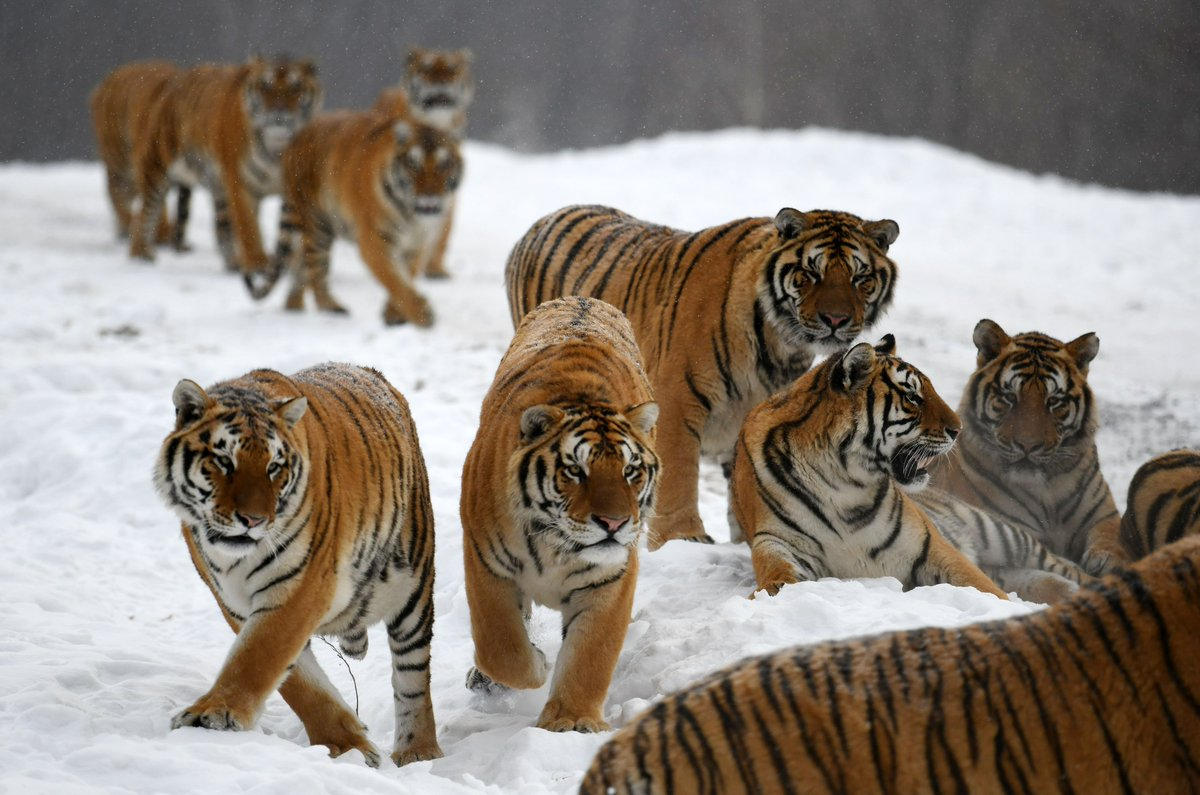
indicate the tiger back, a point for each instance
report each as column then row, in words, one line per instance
column 820, row 472
column 557, row 483
column 301, row 526
column 1163, row 503
column 380, row 181
column 223, row 127
column 1097, row 694
column 1028, row 455
column 724, row 317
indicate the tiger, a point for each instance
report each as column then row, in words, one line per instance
column 1097, row 694
column 120, row 107
column 306, row 510
column 555, row 488
column 725, row 317
column 1028, row 452
column 371, row 177
column 1163, row 503
column 436, row 90
column 223, row 127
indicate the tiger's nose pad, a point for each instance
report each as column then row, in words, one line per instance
column 611, row 525
column 834, row 320
column 953, row 433
column 251, row 521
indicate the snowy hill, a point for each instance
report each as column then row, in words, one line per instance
column 105, row 629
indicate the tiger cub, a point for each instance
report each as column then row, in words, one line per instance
column 554, row 491
column 820, row 469
column 1098, row 694
column 436, row 90
column 372, row 178
column 301, row 525
column 1163, row 504
column 1028, row 452
column 223, row 127
column 725, row 317
column 120, row 109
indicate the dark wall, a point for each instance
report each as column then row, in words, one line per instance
column 1098, row 90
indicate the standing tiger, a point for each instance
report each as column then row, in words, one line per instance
column 1098, row 694
column 306, row 510
column 1163, row 504
column 554, row 491
column 223, row 127
column 436, row 90
column 120, row 109
column 725, row 317
column 374, row 178
column 1027, row 455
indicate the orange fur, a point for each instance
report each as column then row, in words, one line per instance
column 1163, row 503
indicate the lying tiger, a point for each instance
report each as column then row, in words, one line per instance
column 1098, row 694
column 1163, row 503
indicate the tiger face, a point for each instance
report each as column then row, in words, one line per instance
column 1028, row 400
column 905, row 423
column 829, row 278
column 281, row 97
column 586, row 477
column 425, row 169
column 439, row 84
column 231, row 469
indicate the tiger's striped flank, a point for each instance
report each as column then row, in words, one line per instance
column 1163, row 504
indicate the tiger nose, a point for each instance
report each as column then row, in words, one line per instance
column 834, row 320
column 611, row 525
column 952, row 433
column 250, row 520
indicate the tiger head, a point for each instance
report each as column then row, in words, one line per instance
column 425, row 169
column 585, row 477
column 828, row 278
column 232, row 468
column 1028, row 402
column 439, row 84
column 281, row 96
column 898, row 422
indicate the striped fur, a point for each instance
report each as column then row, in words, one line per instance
column 1099, row 694
column 369, row 177
column 555, row 488
column 1028, row 452
column 821, row 470
column 724, row 317
column 223, row 127
column 305, row 507
column 1163, row 503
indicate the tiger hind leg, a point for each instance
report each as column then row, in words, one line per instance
column 183, row 209
column 121, row 194
column 410, row 636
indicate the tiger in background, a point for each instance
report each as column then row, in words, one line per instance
column 306, row 510
column 370, row 177
column 120, row 110
column 223, row 127
column 436, row 91
column 1098, row 694
column 1027, row 455
column 555, row 487
column 725, row 317
column 1163, row 504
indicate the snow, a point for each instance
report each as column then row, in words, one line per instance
column 105, row 629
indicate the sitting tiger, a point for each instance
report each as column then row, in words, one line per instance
column 300, row 525
column 1095, row 695
column 120, row 109
column 1163, row 504
column 223, row 127
column 725, row 317
column 373, row 178
column 1027, row 455
column 554, row 491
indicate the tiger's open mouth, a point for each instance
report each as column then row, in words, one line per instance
column 909, row 464
column 431, row 101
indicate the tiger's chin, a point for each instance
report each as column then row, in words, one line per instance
column 608, row 552
column 232, row 541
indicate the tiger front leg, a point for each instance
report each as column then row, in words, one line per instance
column 249, row 257
column 312, row 273
column 410, row 637
column 776, row 564
column 944, row 562
column 327, row 719
column 676, row 513
column 503, row 651
column 152, row 192
column 435, row 267
column 404, row 304
column 1105, row 551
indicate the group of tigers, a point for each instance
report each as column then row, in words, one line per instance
column 385, row 177
column 638, row 349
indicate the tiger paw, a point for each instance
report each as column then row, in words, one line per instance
column 421, row 316
column 557, row 718
column 480, row 682
column 677, row 526
column 141, row 251
column 417, row 752
column 770, row 588
column 207, row 713
column 342, row 734
column 1098, row 561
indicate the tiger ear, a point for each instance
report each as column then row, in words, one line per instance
column 191, row 401
column 990, row 339
column 403, row 132
column 643, row 415
column 887, row 345
column 789, row 222
column 1083, row 349
column 853, row 370
column 292, row 410
column 536, row 422
column 884, row 232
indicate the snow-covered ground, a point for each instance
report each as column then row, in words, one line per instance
column 105, row 629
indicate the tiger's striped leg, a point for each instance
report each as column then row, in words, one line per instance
column 410, row 637
column 313, row 273
column 503, row 651
column 736, row 533
column 1104, row 550
column 435, row 267
column 183, row 208
column 249, row 255
column 944, row 562
column 404, row 304
column 223, row 229
column 676, row 513
column 776, row 564
column 121, row 194
column 152, row 193
column 327, row 719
